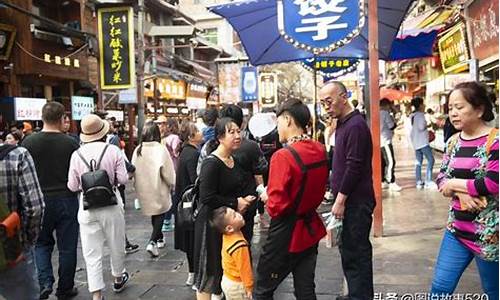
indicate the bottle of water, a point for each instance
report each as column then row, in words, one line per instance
column 137, row 204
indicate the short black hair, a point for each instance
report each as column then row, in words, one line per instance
column 416, row 102
column 297, row 110
column 385, row 101
column 210, row 116
column 220, row 128
column 218, row 219
column 52, row 112
column 232, row 111
column 477, row 95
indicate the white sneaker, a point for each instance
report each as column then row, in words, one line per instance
column 394, row 187
column 160, row 244
column 385, row 185
column 420, row 185
column 217, row 297
column 430, row 185
column 190, row 279
column 152, row 249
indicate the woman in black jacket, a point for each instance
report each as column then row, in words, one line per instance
column 186, row 176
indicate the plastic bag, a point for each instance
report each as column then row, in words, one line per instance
column 333, row 231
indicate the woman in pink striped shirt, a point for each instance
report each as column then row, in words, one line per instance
column 469, row 176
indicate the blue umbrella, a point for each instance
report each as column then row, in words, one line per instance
column 256, row 23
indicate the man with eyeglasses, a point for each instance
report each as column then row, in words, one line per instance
column 352, row 187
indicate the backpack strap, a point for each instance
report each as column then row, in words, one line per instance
column 84, row 160
column 98, row 162
column 100, row 157
column 304, row 168
column 491, row 138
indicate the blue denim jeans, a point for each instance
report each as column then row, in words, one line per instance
column 20, row 281
column 419, row 154
column 60, row 215
column 453, row 259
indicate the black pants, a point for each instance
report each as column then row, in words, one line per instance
column 157, row 222
column 356, row 251
column 388, row 163
column 302, row 265
column 247, row 230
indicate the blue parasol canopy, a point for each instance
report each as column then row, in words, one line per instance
column 256, row 23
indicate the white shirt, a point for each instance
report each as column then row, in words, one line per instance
column 419, row 135
column 386, row 128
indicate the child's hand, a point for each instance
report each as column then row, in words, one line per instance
column 249, row 295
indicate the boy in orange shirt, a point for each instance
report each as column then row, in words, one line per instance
column 237, row 282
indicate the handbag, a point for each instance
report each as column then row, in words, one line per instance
column 188, row 208
column 432, row 136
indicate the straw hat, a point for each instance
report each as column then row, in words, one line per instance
column 93, row 128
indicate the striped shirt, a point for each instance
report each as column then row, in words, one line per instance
column 470, row 160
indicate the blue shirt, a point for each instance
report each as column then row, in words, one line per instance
column 352, row 161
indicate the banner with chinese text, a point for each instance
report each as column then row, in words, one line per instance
column 81, row 106
column 116, row 47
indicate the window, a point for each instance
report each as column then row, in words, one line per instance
column 210, row 34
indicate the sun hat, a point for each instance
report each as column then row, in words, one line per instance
column 262, row 124
column 93, row 128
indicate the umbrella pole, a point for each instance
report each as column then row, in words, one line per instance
column 315, row 104
column 375, row 114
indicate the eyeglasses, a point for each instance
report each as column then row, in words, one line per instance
column 328, row 101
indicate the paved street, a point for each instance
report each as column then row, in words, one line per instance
column 403, row 258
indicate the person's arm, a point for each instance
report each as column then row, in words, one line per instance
column 120, row 169
column 191, row 165
column 203, row 155
column 31, row 196
column 209, row 183
column 241, row 256
column 167, row 170
column 73, row 175
column 278, row 188
column 484, row 186
column 421, row 123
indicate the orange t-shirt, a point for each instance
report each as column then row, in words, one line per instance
column 236, row 261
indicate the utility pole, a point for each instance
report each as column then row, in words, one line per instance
column 140, row 68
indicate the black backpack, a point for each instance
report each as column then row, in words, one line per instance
column 97, row 190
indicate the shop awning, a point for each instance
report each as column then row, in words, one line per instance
column 394, row 95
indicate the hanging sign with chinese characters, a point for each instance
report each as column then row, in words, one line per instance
column 483, row 29
column 331, row 67
column 320, row 26
column 453, row 49
column 116, row 45
column 268, row 89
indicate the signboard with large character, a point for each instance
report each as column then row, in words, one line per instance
column 482, row 28
column 320, row 26
column 116, row 47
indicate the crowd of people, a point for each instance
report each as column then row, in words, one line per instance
column 74, row 186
